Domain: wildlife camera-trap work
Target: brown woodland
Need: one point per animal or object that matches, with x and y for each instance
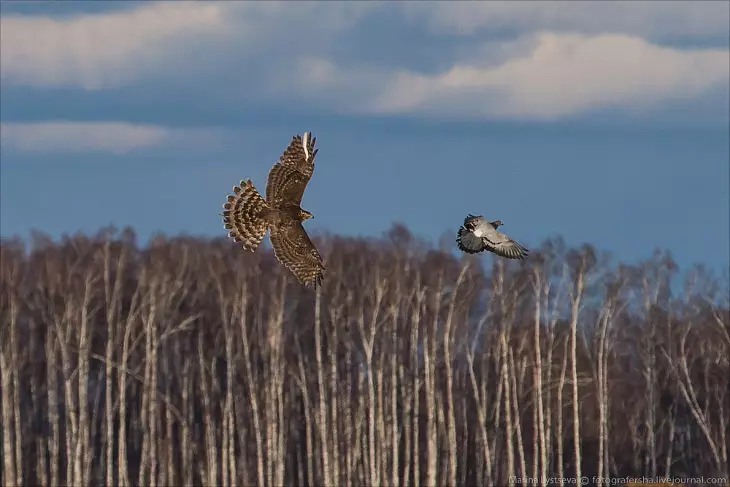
(193, 362)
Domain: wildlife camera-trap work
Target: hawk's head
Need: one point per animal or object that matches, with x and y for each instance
(304, 215)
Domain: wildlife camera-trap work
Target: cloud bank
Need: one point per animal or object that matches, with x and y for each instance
(524, 60)
(563, 74)
(654, 20)
(97, 51)
(71, 137)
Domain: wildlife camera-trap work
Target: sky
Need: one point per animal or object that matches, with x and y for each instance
(602, 122)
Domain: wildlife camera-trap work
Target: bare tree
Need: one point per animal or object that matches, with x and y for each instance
(190, 362)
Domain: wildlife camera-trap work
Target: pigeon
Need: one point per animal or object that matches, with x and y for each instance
(478, 235)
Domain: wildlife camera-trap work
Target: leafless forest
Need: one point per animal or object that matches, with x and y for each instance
(192, 362)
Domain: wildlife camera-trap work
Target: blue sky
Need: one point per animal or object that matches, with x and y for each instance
(602, 122)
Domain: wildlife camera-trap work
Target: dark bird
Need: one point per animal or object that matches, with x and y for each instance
(248, 215)
(478, 234)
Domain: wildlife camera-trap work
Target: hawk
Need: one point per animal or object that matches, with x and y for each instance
(478, 234)
(248, 215)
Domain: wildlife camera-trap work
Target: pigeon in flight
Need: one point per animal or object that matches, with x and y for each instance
(478, 234)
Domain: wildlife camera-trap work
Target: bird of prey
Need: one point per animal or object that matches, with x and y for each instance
(248, 215)
(478, 234)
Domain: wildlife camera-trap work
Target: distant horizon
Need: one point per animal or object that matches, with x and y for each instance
(486, 259)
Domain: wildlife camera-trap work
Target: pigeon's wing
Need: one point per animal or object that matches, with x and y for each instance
(468, 242)
(504, 246)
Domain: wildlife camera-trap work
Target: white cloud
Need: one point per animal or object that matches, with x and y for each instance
(563, 58)
(649, 19)
(563, 75)
(108, 50)
(76, 137)
(102, 50)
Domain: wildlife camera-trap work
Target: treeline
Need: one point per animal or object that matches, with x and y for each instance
(193, 362)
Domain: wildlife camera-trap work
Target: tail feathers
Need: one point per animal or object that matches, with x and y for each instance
(242, 216)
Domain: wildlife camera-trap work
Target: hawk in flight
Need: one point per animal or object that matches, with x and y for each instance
(248, 215)
(478, 234)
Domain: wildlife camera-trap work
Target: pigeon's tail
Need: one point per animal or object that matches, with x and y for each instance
(243, 216)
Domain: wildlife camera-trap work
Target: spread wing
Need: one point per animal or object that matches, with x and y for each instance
(478, 235)
(289, 177)
(294, 249)
(504, 246)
